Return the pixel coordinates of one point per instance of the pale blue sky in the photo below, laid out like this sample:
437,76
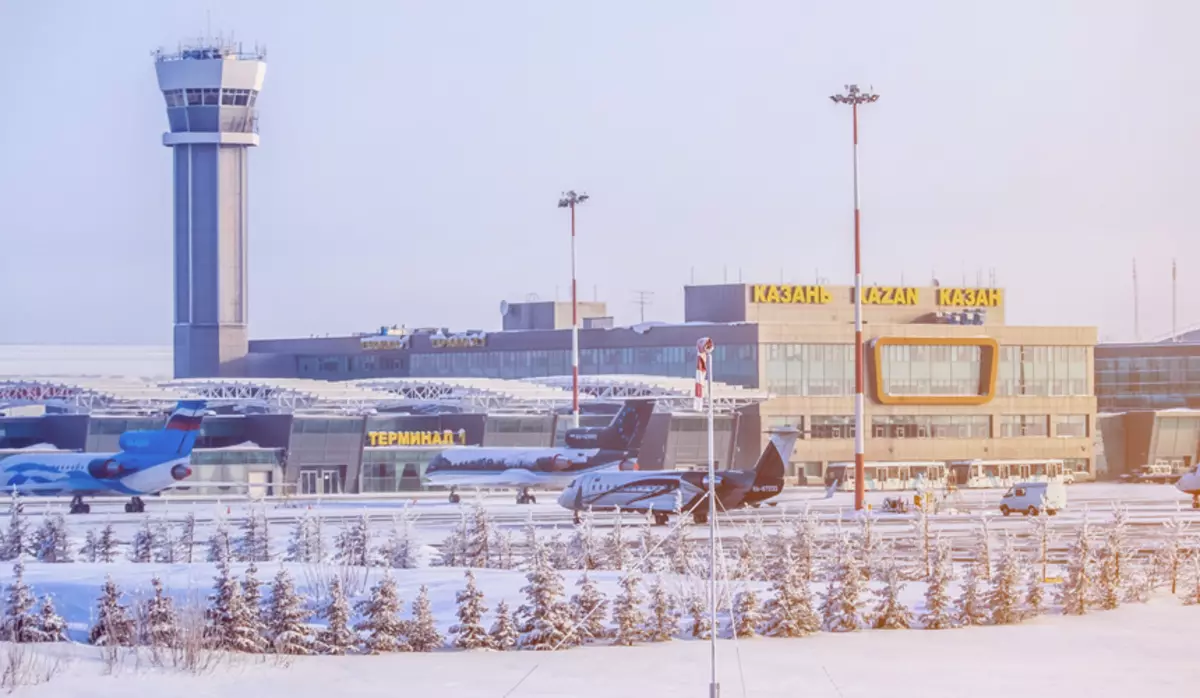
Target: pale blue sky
412,153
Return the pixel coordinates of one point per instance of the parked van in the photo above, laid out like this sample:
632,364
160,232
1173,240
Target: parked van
1031,498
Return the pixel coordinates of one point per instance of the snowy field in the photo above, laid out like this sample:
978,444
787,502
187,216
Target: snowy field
1143,650
1139,648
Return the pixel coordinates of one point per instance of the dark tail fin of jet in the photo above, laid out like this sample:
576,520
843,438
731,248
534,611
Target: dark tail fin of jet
176,438
623,433
773,462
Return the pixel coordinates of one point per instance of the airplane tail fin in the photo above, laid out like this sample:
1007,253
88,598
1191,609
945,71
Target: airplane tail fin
176,438
623,433
773,462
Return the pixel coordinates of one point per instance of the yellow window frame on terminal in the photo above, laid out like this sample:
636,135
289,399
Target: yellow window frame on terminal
989,365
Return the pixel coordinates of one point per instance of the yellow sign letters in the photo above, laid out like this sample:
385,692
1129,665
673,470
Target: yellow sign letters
788,293
889,295
970,297
416,438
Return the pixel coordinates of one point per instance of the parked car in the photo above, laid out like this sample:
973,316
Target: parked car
1032,498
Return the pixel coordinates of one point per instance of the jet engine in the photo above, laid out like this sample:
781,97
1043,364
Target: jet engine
106,469
181,471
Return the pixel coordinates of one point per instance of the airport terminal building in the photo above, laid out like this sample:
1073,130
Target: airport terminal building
1148,397
947,378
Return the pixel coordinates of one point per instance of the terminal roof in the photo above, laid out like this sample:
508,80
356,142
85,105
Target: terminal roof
117,395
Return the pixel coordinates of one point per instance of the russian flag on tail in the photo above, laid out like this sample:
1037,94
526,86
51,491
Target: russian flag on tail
704,349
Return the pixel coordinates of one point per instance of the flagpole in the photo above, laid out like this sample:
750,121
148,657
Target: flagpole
704,352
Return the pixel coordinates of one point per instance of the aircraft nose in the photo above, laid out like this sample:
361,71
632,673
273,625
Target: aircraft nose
566,498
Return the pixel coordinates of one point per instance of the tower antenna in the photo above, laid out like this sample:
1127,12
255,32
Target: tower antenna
644,298
1137,329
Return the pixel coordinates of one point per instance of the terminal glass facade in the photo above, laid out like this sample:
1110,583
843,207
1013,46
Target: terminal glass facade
1042,371
925,369
394,469
1012,425
735,364
809,369
974,426
1147,382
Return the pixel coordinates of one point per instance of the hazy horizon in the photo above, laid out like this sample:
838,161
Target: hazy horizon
412,154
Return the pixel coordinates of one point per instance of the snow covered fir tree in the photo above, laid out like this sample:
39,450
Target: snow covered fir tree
545,620
161,628
503,632
469,632
664,613
20,625
747,614
337,637
590,609
52,543
113,625
628,618
890,613
381,619
423,635
353,545
286,617
50,626
232,624
939,613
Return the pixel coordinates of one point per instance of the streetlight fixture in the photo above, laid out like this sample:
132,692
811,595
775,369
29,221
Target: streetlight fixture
854,97
570,200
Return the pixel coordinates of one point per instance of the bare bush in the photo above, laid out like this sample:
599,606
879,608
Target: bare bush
23,665
190,652
318,577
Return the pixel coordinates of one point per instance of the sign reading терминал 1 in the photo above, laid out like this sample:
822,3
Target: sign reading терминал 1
797,294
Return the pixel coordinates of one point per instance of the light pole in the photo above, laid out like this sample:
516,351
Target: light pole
855,97
570,200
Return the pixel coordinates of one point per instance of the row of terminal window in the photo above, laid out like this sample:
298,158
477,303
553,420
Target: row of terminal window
210,96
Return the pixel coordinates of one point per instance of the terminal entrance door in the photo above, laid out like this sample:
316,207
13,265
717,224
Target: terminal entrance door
308,482
331,482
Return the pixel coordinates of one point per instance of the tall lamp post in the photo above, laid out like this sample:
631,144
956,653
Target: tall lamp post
570,200
855,97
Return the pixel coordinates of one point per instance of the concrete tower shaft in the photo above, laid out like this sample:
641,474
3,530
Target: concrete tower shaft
211,91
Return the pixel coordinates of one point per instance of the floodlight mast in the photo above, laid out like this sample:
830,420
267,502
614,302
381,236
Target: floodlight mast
855,97
570,200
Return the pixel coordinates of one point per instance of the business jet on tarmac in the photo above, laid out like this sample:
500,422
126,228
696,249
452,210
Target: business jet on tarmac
1189,483
664,492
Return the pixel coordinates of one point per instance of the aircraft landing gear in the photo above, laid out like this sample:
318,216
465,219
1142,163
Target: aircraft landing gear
454,497
523,496
575,519
1196,501
135,506
660,518
700,515
78,507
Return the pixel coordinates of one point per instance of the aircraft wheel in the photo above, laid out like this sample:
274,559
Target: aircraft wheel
660,518
128,508
455,498
700,516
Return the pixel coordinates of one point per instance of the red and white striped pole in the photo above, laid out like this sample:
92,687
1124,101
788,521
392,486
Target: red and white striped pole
569,200
855,97
704,352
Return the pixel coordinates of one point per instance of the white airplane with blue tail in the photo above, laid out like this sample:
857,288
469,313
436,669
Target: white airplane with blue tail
149,462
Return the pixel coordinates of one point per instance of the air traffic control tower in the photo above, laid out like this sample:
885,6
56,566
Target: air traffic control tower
211,91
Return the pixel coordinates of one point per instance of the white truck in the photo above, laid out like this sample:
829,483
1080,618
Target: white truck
1032,498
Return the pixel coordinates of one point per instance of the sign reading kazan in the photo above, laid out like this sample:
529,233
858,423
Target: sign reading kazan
890,295
416,438
970,297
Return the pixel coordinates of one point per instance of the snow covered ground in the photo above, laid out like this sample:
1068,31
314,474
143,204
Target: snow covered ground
1140,650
